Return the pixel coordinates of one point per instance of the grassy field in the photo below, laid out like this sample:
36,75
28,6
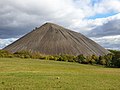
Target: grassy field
34,74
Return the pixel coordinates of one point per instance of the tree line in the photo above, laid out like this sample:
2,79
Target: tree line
110,60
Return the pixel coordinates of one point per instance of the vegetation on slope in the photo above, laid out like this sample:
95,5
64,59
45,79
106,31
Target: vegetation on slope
116,58
37,74
109,60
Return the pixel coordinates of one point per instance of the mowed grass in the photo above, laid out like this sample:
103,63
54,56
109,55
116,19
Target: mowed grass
35,74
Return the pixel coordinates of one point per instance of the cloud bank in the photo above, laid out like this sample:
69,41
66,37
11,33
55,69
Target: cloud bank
18,17
108,29
109,42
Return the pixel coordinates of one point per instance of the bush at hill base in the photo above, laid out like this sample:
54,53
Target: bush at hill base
7,54
109,60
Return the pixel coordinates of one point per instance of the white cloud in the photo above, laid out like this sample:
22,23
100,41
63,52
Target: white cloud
20,16
69,13
106,6
86,25
110,42
5,42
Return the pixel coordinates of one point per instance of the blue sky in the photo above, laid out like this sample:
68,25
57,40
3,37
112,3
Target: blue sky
95,1
97,19
103,15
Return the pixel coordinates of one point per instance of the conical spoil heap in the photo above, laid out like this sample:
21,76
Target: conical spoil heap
52,39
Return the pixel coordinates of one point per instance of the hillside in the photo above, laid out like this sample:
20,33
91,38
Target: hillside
52,39
34,74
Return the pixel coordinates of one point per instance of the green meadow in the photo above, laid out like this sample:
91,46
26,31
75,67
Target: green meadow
36,74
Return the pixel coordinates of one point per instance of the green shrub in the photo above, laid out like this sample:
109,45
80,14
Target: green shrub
37,55
108,59
71,58
118,63
80,58
95,57
103,62
115,62
51,57
6,54
43,57
63,58
92,61
56,58
23,54
68,58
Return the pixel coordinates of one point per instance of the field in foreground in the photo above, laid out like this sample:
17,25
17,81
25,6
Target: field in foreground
34,74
